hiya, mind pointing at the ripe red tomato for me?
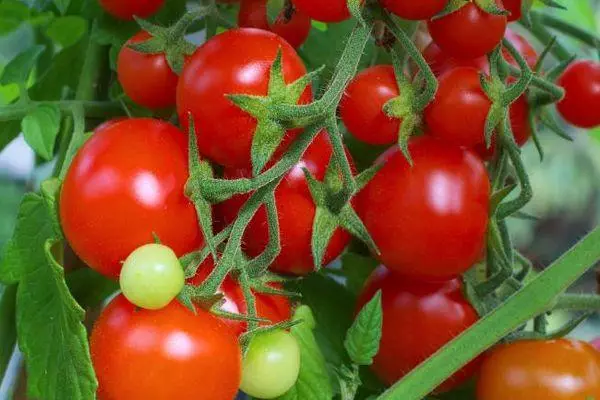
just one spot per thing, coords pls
(325, 11)
(581, 81)
(274, 308)
(419, 318)
(440, 62)
(296, 210)
(126, 183)
(514, 8)
(253, 14)
(541, 369)
(414, 10)
(164, 354)
(469, 32)
(146, 78)
(128, 9)
(428, 220)
(235, 62)
(361, 107)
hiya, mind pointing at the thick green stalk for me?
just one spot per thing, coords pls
(535, 298)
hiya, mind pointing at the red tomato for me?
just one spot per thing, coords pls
(235, 62)
(126, 183)
(361, 108)
(514, 7)
(146, 78)
(541, 369)
(274, 308)
(253, 14)
(414, 10)
(165, 354)
(325, 11)
(128, 9)
(418, 319)
(581, 81)
(440, 62)
(296, 210)
(428, 220)
(469, 32)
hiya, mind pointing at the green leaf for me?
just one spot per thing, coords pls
(8, 131)
(357, 269)
(49, 329)
(362, 340)
(12, 14)
(313, 382)
(66, 31)
(62, 5)
(40, 128)
(324, 226)
(8, 333)
(17, 71)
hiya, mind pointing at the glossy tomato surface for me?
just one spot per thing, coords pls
(441, 62)
(126, 184)
(361, 107)
(163, 355)
(414, 10)
(296, 211)
(324, 11)
(544, 369)
(418, 319)
(253, 14)
(469, 32)
(514, 7)
(581, 81)
(128, 9)
(428, 220)
(234, 62)
(146, 78)
(274, 308)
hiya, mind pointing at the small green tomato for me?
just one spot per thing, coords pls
(271, 365)
(151, 276)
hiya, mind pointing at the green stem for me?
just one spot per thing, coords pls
(8, 333)
(565, 27)
(577, 302)
(535, 298)
(543, 84)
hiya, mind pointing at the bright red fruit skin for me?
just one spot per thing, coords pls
(540, 369)
(469, 32)
(440, 62)
(414, 10)
(126, 184)
(428, 220)
(296, 210)
(514, 8)
(274, 308)
(165, 354)
(253, 14)
(127, 9)
(419, 318)
(146, 78)
(234, 62)
(324, 11)
(581, 104)
(361, 107)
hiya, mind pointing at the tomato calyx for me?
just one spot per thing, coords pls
(270, 131)
(488, 6)
(169, 40)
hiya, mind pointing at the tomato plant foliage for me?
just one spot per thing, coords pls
(249, 155)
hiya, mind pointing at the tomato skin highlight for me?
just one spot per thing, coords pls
(543, 369)
(469, 32)
(581, 81)
(296, 211)
(253, 14)
(361, 107)
(113, 199)
(274, 308)
(414, 10)
(324, 11)
(126, 10)
(165, 354)
(429, 220)
(419, 318)
(146, 78)
(234, 62)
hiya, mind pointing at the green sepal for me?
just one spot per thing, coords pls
(365, 177)
(451, 7)
(535, 136)
(542, 57)
(558, 69)
(500, 195)
(494, 118)
(547, 119)
(324, 226)
(50, 190)
(247, 336)
(355, 8)
(259, 265)
(266, 140)
(363, 337)
(559, 333)
(490, 7)
(274, 9)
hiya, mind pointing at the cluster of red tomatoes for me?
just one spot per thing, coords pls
(124, 211)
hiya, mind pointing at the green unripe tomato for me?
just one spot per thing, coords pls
(271, 365)
(151, 276)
